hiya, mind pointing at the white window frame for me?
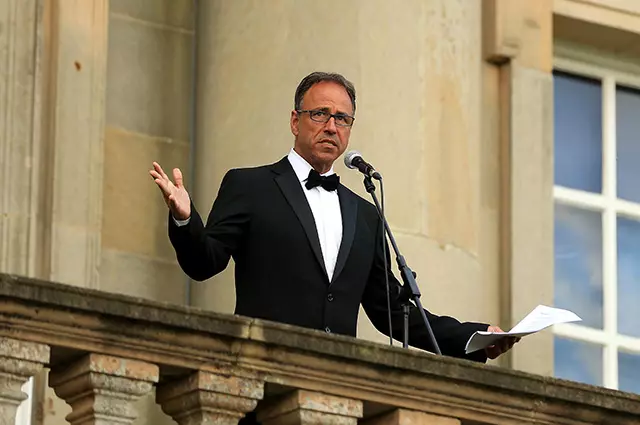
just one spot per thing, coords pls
(611, 72)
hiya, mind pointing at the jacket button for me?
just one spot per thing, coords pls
(330, 297)
(327, 330)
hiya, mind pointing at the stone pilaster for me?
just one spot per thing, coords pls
(101, 390)
(303, 407)
(19, 361)
(76, 105)
(208, 398)
(518, 39)
(20, 39)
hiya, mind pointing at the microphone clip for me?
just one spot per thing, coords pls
(353, 160)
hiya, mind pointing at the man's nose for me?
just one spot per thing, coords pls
(330, 126)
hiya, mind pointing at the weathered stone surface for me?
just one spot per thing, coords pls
(210, 398)
(172, 14)
(181, 339)
(76, 110)
(310, 408)
(20, 56)
(512, 31)
(101, 389)
(19, 360)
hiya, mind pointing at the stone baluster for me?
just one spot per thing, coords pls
(101, 390)
(19, 360)
(209, 398)
(303, 407)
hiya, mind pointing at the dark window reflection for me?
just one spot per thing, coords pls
(628, 276)
(578, 361)
(578, 132)
(629, 372)
(628, 143)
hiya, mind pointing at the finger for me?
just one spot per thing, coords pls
(177, 177)
(504, 345)
(155, 174)
(164, 186)
(160, 171)
(491, 352)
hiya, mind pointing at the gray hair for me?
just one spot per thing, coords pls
(318, 77)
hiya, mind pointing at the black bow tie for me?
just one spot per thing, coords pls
(327, 182)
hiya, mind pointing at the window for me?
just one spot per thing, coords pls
(597, 224)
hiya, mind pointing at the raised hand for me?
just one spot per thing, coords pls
(175, 195)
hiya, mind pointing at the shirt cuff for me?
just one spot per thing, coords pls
(180, 223)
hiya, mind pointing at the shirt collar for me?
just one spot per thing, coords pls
(302, 167)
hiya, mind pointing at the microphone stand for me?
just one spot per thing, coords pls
(410, 290)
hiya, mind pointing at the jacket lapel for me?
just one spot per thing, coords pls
(290, 186)
(349, 210)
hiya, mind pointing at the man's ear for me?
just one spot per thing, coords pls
(295, 120)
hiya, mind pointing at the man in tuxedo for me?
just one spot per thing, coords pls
(308, 251)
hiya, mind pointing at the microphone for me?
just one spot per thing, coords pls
(353, 159)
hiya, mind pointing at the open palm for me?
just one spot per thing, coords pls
(174, 193)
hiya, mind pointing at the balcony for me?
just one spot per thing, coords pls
(105, 351)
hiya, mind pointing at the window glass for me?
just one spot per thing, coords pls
(578, 263)
(628, 143)
(578, 132)
(578, 361)
(628, 276)
(629, 372)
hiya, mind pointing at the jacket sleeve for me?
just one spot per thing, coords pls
(451, 335)
(204, 251)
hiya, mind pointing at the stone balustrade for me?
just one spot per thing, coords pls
(104, 351)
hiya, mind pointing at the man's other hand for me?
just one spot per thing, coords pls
(501, 346)
(175, 195)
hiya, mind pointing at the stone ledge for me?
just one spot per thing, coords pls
(188, 339)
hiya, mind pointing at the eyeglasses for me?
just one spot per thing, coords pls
(318, 115)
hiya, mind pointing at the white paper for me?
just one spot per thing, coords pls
(540, 318)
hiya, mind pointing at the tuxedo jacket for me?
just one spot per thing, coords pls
(262, 219)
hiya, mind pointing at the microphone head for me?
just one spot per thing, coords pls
(349, 157)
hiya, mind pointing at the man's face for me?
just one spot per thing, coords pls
(322, 143)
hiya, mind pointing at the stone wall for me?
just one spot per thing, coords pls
(148, 118)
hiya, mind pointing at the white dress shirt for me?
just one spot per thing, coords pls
(325, 207)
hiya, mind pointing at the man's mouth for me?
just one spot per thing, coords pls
(329, 141)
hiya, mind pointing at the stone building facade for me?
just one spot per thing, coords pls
(455, 108)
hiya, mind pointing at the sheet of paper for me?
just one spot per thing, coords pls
(540, 318)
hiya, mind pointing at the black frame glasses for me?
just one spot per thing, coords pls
(321, 116)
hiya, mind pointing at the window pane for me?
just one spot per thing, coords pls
(578, 132)
(628, 276)
(577, 361)
(629, 372)
(628, 143)
(578, 263)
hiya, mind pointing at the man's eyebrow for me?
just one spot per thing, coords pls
(328, 110)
